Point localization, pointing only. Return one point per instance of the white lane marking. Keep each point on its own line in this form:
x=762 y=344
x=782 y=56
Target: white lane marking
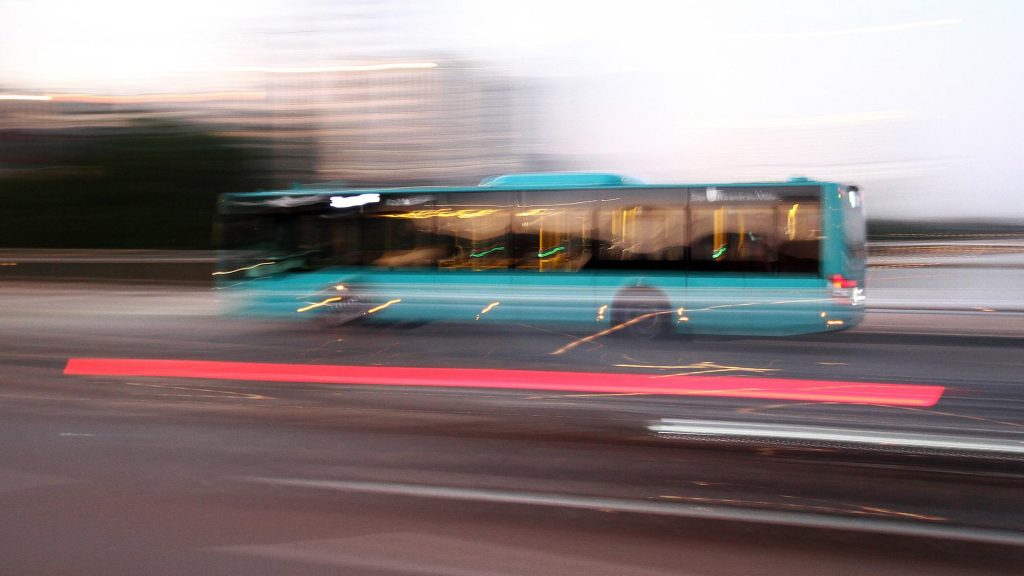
x=679 y=510
x=784 y=432
x=420 y=554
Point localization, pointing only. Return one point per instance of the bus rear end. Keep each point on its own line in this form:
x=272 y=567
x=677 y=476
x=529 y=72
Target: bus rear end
x=846 y=260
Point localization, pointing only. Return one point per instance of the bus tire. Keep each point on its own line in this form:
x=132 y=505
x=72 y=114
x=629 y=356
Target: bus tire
x=650 y=304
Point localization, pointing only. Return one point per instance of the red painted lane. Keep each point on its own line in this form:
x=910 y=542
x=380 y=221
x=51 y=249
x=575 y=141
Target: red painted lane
x=594 y=382
x=727 y=386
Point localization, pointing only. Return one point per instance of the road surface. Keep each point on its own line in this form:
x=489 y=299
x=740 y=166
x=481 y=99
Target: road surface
x=165 y=475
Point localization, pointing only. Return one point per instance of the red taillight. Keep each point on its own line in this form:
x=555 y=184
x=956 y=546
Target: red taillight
x=838 y=281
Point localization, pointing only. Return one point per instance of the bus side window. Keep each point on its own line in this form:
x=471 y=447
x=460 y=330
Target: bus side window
x=401 y=236
x=552 y=239
x=734 y=237
x=641 y=237
x=799 y=225
x=343 y=240
x=407 y=244
x=475 y=238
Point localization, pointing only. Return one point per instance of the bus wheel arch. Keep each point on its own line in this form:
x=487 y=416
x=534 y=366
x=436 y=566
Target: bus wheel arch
x=349 y=305
x=641 y=311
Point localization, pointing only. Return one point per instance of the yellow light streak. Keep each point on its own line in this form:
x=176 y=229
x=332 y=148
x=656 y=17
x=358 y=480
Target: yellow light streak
x=643 y=317
x=835 y=323
x=376 y=309
x=487 y=309
x=324 y=302
x=442 y=213
x=241 y=269
x=718 y=218
x=791 y=222
x=608 y=331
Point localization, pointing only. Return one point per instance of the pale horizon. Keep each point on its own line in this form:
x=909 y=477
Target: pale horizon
x=916 y=103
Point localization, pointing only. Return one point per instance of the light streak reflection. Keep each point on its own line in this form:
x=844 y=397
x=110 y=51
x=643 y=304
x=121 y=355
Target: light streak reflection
x=324 y=302
x=487 y=309
x=376 y=309
x=225 y=272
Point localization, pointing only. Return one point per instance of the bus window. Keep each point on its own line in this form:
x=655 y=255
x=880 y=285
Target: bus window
x=854 y=234
x=642 y=237
x=400 y=239
x=552 y=239
x=396 y=234
x=475 y=237
x=343 y=240
x=733 y=237
x=799 y=225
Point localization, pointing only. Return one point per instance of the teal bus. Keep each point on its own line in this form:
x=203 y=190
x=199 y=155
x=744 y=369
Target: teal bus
x=599 y=250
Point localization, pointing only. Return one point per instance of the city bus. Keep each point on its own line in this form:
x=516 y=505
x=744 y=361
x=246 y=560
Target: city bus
x=603 y=251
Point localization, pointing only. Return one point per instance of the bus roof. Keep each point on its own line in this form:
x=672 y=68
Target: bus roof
x=526 y=181
x=560 y=180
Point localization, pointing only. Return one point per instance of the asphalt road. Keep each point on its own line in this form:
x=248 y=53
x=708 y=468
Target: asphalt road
x=157 y=475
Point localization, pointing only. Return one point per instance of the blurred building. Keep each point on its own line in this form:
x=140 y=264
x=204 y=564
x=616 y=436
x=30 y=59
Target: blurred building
x=357 y=92
x=349 y=91
x=394 y=122
x=379 y=122
x=44 y=132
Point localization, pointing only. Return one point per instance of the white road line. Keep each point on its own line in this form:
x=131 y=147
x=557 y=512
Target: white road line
x=679 y=510
x=790 y=433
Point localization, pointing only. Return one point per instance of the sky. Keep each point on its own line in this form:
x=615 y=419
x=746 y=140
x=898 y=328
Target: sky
x=917 y=101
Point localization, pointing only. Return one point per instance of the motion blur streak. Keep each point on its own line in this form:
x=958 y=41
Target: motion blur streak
x=701 y=511
x=808 y=435
x=170 y=98
x=679 y=385
x=383 y=306
x=24 y=97
x=319 y=304
x=225 y=272
x=324 y=69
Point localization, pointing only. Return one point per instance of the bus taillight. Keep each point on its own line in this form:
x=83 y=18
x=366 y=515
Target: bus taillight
x=846 y=291
x=839 y=282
